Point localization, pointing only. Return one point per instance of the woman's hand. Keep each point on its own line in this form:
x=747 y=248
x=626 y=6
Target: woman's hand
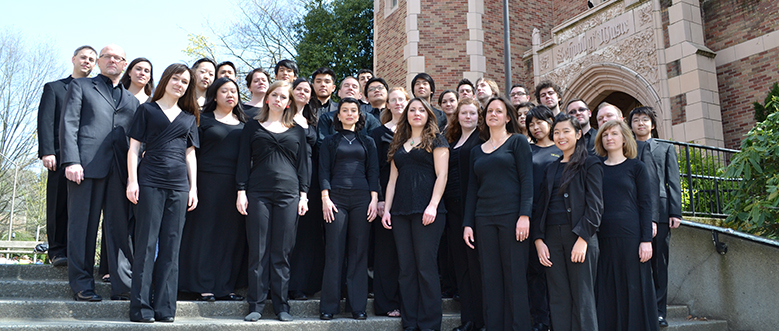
x=242 y=203
x=192 y=202
x=302 y=206
x=429 y=216
x=373 y=209
x=645 y=251
x=543 y=253
x=654 y=229
x=579 y=251
x=386 y=220
x=380 y=207
x=523 y=228
x=132 y=192
x=468 y=237
x=328 y=209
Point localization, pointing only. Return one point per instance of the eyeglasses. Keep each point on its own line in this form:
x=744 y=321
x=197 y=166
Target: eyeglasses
x=517 y=94
x=116 y=58
x=376 y=88
x=578 y=110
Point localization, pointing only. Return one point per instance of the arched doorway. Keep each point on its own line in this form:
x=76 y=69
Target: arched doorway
x=622 y=100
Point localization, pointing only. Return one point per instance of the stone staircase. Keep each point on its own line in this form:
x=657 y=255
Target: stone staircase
x=37 y=297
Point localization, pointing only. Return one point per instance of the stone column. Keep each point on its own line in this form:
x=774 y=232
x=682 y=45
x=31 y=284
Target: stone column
x=475 y=44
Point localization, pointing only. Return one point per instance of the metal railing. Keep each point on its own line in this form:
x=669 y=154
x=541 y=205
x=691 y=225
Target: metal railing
x=705 y=189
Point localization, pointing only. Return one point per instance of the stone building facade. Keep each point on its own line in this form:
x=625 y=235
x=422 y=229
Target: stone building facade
x=700 y=64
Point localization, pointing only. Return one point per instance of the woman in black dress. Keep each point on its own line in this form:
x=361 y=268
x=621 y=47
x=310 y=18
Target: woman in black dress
x=462 y=134
x=215 y=236
x=497 y=208
x=349 y=177
x=386 y=300
x=419 y=158
x=163 y=185
x=565 y=222
x=257 y=81
x=624 y=291
x=272 y=179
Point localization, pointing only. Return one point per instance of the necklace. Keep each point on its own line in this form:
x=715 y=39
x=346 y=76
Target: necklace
x=412 y=142
x=500 y=142
x=350 y=140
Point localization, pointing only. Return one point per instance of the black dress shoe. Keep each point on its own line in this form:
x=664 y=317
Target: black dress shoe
x=59 y=261
x=121 y=297
x=540 y=327
x=143 y=320
x=230 y=297
x=359 y=315
x=297 y=295
x=207 y=298
x=468 y=326
x=168 y=319
x=662 y=322
x=87 y=295
x=325 y=316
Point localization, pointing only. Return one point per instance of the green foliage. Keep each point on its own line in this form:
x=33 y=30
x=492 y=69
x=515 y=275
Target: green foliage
x=336 y=34
x=769 y=106
x=754 y=208
x=703 y=192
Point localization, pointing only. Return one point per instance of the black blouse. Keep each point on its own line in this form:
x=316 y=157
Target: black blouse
x=164 y=163
x=627 y=201
x=459 y=168
x=343 y=164
x=542 y=157
x=382 y=136
x=218 y=152
x=271 y=162
x=416 y=179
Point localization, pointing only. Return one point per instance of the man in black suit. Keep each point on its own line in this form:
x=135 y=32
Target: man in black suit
x=643 y=121
x=94 y=146
x=579 y=109
x=52 y=102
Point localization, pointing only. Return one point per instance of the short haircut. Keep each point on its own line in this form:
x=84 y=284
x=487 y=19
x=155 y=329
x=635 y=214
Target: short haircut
x=365 y=71
x=373 y=80
x=360 y=122
x=287 y=64
x=426 y=77
x=539 y=112
x=518 y=85
x=81 y=48
x=322 y=71
x=250 y=76
x=606 y=104
x=629 y=149
x=227 y=63
x=349 y=77
x=648 y=111
x=464 y=81
x=201 y=61
x=547 y=84
x=572 y=101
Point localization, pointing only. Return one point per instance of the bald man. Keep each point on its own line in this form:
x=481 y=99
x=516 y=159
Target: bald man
x=94 y=147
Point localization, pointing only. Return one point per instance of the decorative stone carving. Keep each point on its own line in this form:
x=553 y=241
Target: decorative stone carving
x=591 y=22
x=645 y=15
x=545 y=62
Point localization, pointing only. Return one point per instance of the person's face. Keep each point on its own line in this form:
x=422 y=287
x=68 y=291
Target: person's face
x=350 y=88
x=612 y=139
x=348 y=114
x=579 y=110
x=641 y=125
x=112 y=61
x=84 y=61
x=449 y=103
x=287 y=74
x=565 y=136
x=323 y=85
x=204 y=75
x=377 y=92
x=140 y=73
x=259 y=83
x=522 y=116
x=226 y=71
x=417 y=115
x=539 y=128
x=302 y=93
x=397 y=102
x=468 y=117
x=483 y=90
x=227 y=95
x=422 y=89
x=364 y=78
x=278 y=99
x=496 y=116
x=549 y=98
x=465 y=91
x=178 y=84
x=518 y=95
x=608 y=113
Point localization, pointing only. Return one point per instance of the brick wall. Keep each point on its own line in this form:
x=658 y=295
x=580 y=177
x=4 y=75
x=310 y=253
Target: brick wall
x=565 y=9
x=390 y=37
x=730 y=22
x=442 y=42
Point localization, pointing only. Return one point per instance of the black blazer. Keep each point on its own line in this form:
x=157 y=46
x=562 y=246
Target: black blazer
x=92 y=129
x=583 y=199
x=49 y=113
x=669 y=180
x=645 y=155
x=463 y=164
x=328 y=154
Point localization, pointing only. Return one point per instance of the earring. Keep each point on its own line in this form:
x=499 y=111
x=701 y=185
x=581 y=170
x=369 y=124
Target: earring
x=287 y=107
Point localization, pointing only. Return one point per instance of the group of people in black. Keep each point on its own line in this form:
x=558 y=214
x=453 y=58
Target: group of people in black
x=537 y=220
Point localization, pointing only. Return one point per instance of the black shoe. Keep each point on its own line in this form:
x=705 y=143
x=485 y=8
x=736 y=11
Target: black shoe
x=143 y=320
x=359 y=315
x=230 y=297
x=468 y=326
x=87 y=295
x=59 y=261
x=325 y=316
x=207 y=298
x=297 y=295
x=285 y=316
x=121 y=297
x=168 y=319
x=662 y=322
x=540 y=327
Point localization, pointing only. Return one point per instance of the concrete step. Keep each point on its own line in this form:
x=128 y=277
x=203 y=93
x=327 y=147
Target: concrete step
x=677 y=312
x=45 y=289
x=35 y=272
x=695 y=325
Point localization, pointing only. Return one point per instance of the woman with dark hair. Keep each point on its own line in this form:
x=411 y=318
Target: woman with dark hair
x=522 y=110
x=162 y=186
x=462 y=135
x=385 y=269
x=566 y=219
x=257 y=81
x=307 y=259
x=214 y=236
x=349 y=178
x=447 y=100
x=419 y=158
x=497 y=209
x=138 y=79
x=272 y=180
x=624 y=291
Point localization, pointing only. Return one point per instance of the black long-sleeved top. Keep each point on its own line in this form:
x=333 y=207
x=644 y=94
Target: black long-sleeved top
x=361 y=166
x=250 y=111
x=382 y=136
x=271 y=162
x=326 y=128
x=627 y=201
x=416 y=179
x=459 y=168
x=501 y=182
x=218 y=152
x=542 y=157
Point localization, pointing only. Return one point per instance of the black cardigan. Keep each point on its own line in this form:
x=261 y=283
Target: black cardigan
x=327 y=156
x=583 y=199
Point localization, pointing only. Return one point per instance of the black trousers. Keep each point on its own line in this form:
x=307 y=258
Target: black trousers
x=466 y=266
x=307 y=260
x=386 y=270
x=57 y=213
x=86 y=201
x=347 y=238
x=270 y=232
x=537 y=288
x=159 y=219
x=660 y=250
x=571 y=285
x=504 y=272
x=420 y=288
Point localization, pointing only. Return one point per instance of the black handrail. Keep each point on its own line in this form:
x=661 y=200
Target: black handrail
x=731 y=232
